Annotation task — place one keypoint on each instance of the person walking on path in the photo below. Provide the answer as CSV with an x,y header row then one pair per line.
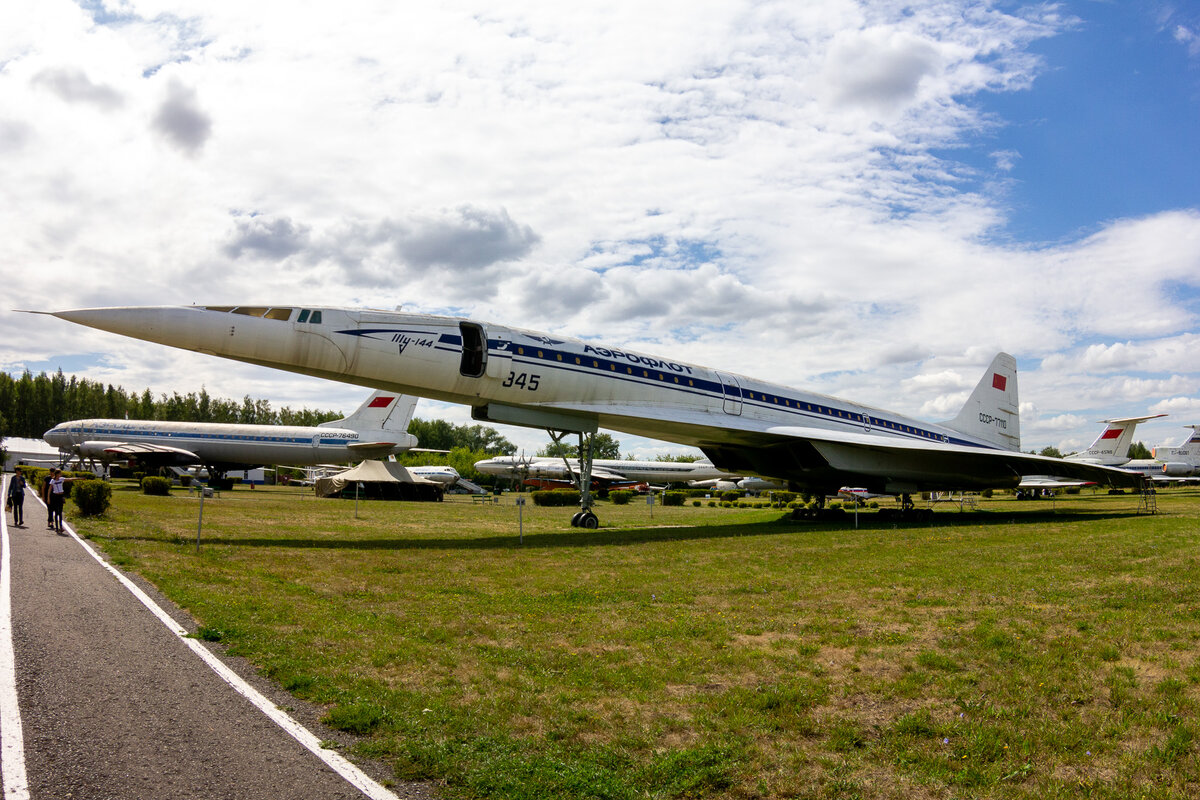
x,y
56,494
16,498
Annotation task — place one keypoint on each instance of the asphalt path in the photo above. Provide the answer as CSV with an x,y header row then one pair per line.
x,y
113,703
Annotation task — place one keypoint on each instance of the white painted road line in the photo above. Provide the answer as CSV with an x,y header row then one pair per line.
x,y
12,739
334,760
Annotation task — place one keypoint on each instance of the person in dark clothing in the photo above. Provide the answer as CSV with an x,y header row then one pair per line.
x,y
16,496
56,495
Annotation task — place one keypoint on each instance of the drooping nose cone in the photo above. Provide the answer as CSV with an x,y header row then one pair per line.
x,y
250,334
171,325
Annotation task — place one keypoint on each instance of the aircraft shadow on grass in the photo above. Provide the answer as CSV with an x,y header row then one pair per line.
x,y
649,535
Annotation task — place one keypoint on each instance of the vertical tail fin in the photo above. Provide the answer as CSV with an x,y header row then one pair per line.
x,y
382,411
1188,451
1112,445
992,412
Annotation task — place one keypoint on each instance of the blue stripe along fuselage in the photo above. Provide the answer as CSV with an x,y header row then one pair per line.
x,y
211,437
650,371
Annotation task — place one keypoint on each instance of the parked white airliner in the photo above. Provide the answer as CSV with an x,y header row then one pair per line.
x,y
378,428
508,375
604,469
1171,462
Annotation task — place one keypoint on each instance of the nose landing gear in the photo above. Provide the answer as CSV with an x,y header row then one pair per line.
x,y
586,518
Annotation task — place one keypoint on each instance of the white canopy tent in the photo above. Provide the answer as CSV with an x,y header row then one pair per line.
x,y
381,479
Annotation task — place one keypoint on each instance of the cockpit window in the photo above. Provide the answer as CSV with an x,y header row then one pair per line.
x,y
255,311
267,312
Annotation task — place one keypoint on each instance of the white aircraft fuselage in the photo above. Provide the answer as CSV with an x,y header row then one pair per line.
x,y
514,376
651,471
226,444
441,474
378,428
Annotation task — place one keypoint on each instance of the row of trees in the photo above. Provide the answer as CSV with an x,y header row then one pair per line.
x,y
32,404
437,434
1136,450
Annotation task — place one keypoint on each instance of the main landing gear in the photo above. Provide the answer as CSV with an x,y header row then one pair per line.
x,y
586,518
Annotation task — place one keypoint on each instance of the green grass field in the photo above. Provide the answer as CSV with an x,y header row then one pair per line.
x,y
1019,651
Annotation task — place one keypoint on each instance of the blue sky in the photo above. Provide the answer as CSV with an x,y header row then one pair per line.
x,y
1108,129
863,199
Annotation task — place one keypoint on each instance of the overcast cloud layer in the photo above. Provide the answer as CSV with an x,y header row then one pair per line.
x,y
786,190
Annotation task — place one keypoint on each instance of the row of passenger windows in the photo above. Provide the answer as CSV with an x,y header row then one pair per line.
x,y
750,395
313,317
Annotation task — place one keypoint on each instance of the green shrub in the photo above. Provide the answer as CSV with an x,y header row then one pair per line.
x,y
152,484
556,497
621,497
138,476
35,477
673,498
696,503
986,493
185,479
92,497
731,496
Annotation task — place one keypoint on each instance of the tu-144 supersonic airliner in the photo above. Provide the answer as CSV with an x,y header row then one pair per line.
x,y
378,428
522,377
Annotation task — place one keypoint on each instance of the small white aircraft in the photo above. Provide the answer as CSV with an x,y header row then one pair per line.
x,y
752,483
447,476
858,493
613,470
520,377
378,428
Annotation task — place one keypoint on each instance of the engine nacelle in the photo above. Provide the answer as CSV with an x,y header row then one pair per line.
x,y
1177,469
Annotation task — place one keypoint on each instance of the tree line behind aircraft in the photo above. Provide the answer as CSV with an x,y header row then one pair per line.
x,y
32,404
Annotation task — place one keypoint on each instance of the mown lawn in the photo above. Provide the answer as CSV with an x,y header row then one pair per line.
x,y
1020,651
